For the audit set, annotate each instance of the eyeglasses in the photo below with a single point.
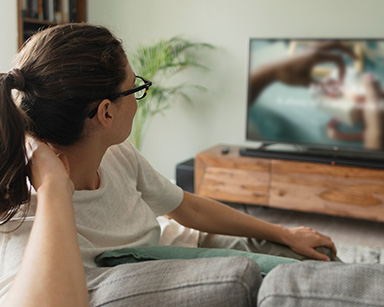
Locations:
(140, 90)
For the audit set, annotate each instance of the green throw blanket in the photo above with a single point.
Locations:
(147, 253)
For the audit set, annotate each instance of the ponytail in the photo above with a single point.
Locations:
(13, 169)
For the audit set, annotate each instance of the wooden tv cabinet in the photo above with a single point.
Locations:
(327, 188)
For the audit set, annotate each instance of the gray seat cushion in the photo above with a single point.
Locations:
(314, 283)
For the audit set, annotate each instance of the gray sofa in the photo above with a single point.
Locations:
(179, 276)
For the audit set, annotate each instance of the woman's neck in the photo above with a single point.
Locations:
(84, 161)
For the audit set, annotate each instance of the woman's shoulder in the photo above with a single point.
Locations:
(125, 147)
(121, 155)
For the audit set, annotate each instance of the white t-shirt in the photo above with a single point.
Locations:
(121, 213)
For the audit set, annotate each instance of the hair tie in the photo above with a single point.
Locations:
(18, 79)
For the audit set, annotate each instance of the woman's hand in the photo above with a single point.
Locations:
(303, 240)
(47, 167)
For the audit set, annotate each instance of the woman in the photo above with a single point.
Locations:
(77, 92)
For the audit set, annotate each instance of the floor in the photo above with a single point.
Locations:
(351, 236)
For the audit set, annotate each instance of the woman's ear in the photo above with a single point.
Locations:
(105, 113)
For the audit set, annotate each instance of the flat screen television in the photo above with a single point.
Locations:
(321, 118)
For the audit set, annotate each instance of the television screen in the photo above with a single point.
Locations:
(320, 113)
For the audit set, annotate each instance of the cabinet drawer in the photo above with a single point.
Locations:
(338, 190)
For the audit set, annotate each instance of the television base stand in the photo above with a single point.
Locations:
(292, 181)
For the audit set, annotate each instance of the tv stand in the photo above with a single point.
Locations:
(312, 183)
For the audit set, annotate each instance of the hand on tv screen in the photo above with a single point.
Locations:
(297, 70)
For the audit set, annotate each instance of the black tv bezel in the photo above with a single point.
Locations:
(350, 155)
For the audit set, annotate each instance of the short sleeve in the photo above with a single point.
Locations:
(161, 195)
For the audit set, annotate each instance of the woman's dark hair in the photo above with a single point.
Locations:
(62, 71)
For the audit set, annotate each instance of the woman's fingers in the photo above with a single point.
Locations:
(305, 240)
(45, 164)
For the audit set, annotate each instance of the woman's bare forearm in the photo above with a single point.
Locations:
(51, 272)
(211, 216)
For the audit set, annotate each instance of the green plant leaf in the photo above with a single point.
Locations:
(158, 62)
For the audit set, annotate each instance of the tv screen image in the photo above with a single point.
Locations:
(324, 114)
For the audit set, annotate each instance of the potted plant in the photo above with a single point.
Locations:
(158, 62)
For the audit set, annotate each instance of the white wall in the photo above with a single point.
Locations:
(8, 33)
(218, 116)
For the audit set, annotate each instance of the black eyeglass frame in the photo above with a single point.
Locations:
(145, 86)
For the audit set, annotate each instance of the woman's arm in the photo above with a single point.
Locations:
(373, 114)
(211, 216)
(51, 272)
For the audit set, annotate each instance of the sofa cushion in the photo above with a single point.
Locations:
(331, 284)
(203, 282)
